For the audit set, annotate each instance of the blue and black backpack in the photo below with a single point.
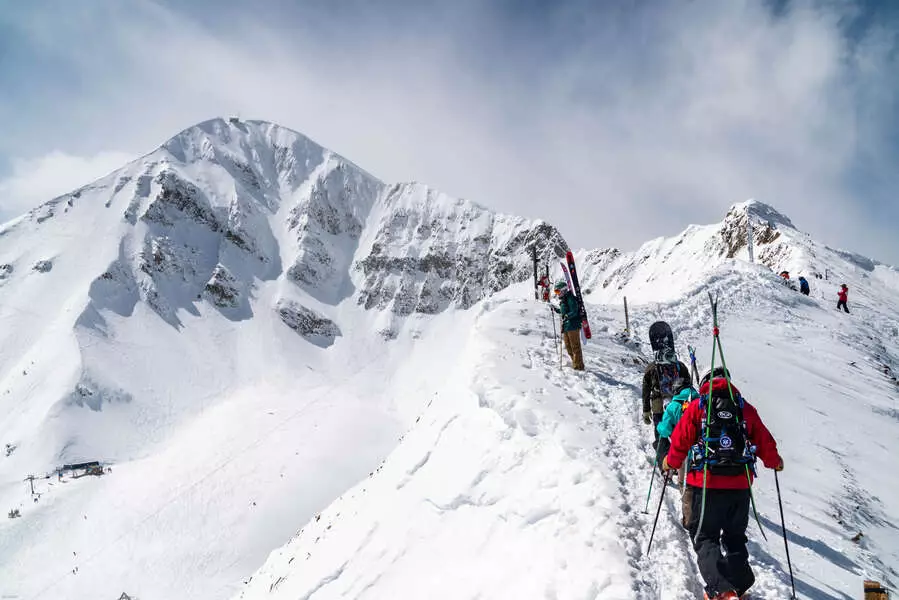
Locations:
(723, 443)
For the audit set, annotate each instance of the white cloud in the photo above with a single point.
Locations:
(36, 180)
(619, 125)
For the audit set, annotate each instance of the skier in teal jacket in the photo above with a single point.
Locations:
(571, 324)
(674, 411)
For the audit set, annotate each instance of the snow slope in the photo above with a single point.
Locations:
(665, 269)
(207, 322)
(242, 326)
(524, 480)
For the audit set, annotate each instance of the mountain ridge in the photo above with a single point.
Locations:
(243, 326)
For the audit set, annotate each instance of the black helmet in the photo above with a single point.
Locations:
(719, 373)
(680, 385)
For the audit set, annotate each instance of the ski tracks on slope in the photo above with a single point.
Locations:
(608, 391)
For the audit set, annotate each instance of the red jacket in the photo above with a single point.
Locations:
(843, 295)
(687, 433)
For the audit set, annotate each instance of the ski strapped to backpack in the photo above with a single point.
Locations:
(707, 437)
(576, 290)
(693, 369)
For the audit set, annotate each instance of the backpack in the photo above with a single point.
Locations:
(723, 445)
(669, 381)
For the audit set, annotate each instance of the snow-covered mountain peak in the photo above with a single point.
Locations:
(238, 285)
(760, 213)
(666, 268)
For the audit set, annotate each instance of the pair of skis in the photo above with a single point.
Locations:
(570, 272)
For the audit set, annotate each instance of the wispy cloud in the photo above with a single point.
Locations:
(33, 181)
(618, 124)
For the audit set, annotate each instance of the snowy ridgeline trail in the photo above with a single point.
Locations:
(523, 481)
(824, 385)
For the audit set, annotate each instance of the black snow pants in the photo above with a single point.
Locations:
(660, 445)
(723, 525)
(842, 305)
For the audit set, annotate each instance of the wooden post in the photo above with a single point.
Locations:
(874, 591)
(627, 321)
(30, 479)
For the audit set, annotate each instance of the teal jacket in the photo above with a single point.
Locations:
(570, 311)
(674, 411)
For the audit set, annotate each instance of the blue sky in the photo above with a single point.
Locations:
(618, 121)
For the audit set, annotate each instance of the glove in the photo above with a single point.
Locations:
(666, 466)
(647, 418)
(780, 466)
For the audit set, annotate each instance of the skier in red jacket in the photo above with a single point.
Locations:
(727, 496)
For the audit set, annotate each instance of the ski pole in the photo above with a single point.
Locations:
(661, 499)
(552, 317)
(561, 341)
(652, 479)
(733, 400)
(705, 437)
(783, 525)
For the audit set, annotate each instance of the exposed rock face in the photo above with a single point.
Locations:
(431, 252)
(328, 224)
(43, 266)
(223, 289)
(308, 323)
(216, 209)
(765, 221)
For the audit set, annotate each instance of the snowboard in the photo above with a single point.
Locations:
(585, 326)
(661, 336)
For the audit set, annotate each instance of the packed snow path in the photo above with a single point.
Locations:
(526, 480)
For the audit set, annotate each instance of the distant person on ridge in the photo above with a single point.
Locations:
(803, 286)
(727, 496)
(661, 381)
(571, 324)
(544, 287)
(843, 296)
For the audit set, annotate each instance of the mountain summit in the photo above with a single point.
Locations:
(225, 204)
(237, 284)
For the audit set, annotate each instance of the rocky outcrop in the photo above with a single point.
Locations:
(765, 221)
(43, 266)
(431, 252)
(308, 323)
(222, 289)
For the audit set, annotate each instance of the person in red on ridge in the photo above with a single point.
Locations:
(843, 296)
(727, 496)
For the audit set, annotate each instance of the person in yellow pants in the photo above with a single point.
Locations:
(571, 324)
